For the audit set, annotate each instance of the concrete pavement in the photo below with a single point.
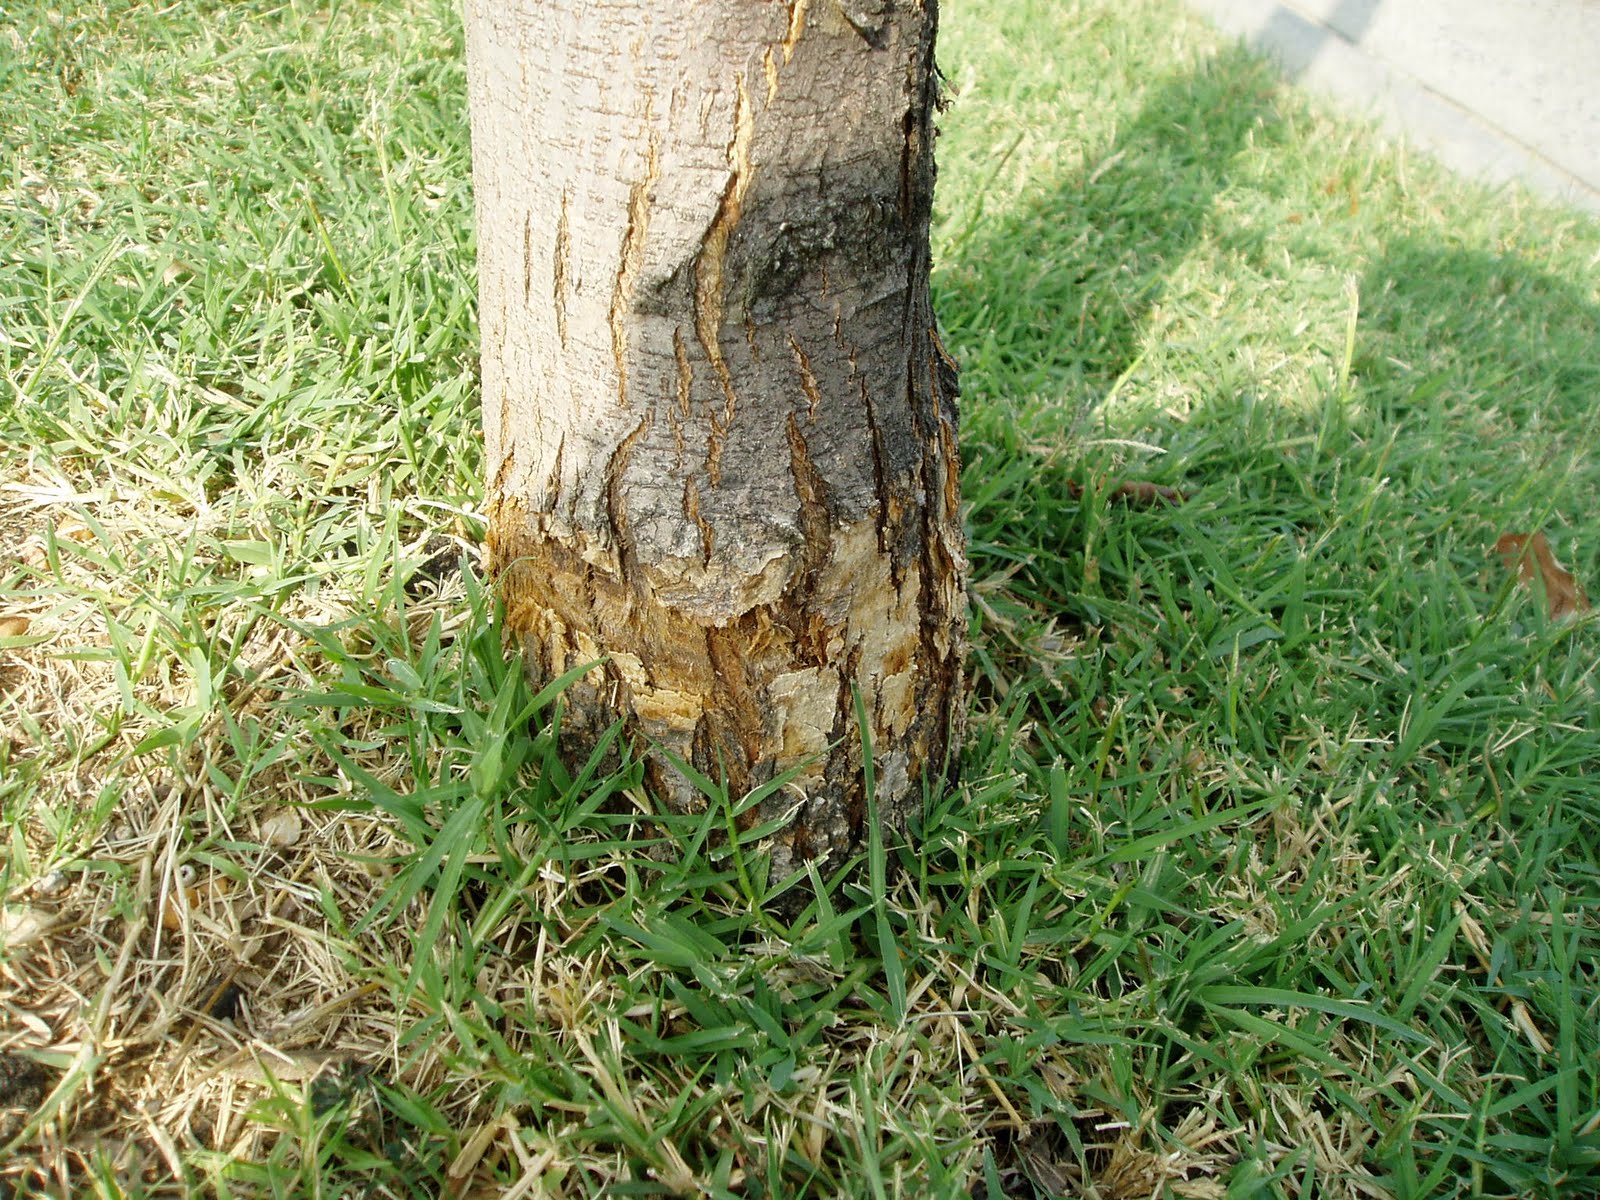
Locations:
(1495, 89)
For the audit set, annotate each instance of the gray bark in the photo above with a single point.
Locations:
(720, 430)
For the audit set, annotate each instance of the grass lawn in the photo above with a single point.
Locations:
(1275, 865)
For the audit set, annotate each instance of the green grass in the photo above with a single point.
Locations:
(1273, 870)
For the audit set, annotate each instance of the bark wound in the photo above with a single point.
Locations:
(791, 39)
(628, 264)
(797, 26)
(732, 608)
(808, 380)
(563, 251)
(527, 259)
(709, 283)
(816, 532)
(691, 506)
(617, 509)
(681, 410)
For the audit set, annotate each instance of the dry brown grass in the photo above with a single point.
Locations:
(1273, 867)
(168, 947)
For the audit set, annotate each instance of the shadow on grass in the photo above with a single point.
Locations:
(1488, 326)
(1237, 632)
(1101, 246)
(1051, 301)
(1046, 306)
(1466, 360)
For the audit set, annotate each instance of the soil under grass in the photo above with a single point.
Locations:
(1273, 869)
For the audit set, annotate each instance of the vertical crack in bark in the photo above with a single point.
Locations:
(504, 435)
(916, 159)
(527, 259)
(881, 483)
(816, 530)
(691, 509)
(498, 485)
(553, 484)
(908, 155)
(769, 65)
(709, 283)
(808, 379)
(616, 509)
(797, 27)
(791, 39)
(933, 607)
(563, 251)
(678, 415)
(629, 262)
(845, 768)
(944, 385)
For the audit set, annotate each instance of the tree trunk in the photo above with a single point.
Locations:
(720, 429)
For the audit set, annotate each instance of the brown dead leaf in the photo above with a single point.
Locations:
(186, 898)
(13, 626)
(1529, 556)
(1135, 491)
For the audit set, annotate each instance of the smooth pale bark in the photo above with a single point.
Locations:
(720, 429)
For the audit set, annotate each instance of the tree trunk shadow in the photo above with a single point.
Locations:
(1101, 246)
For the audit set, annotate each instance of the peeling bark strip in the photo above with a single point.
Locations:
(723, 451)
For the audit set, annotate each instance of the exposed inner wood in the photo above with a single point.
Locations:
(723, 462)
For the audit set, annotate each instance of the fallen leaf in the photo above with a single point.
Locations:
(1136, 491)
(13, 626)
(198, 898)
(1529, 556)
(291, 1066)
(282, 828)
(21, 927)
(74, 530)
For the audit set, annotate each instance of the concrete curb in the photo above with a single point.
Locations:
(1396, 75)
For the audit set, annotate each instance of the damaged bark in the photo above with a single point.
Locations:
(720, 429)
